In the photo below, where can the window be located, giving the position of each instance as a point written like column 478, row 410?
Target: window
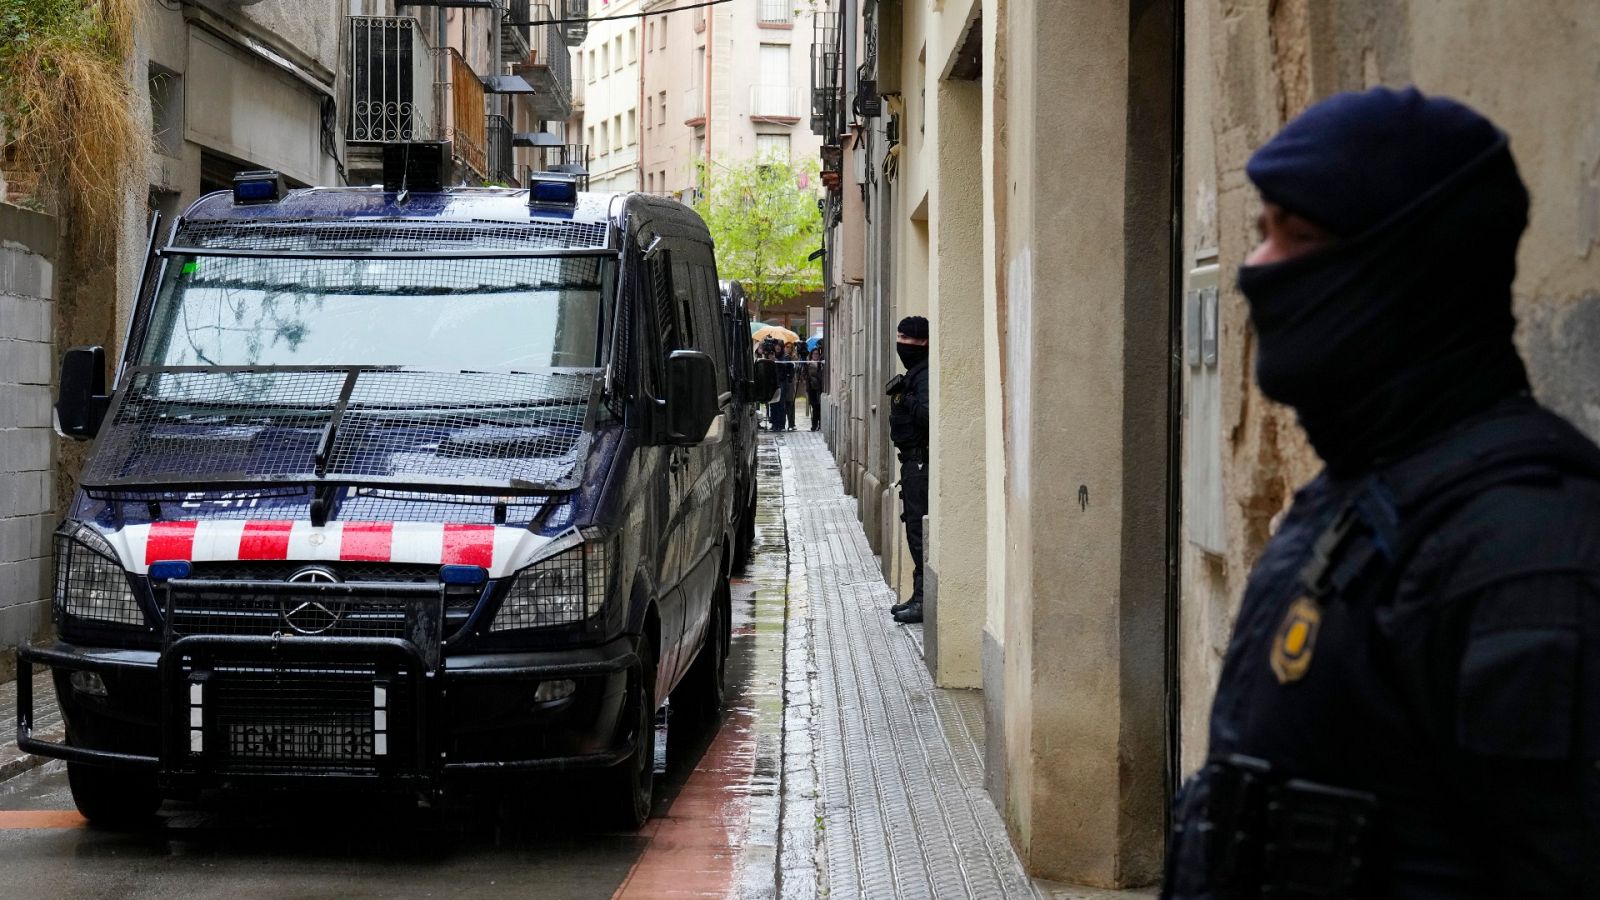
column 650, row 37
column 592, row 67
column 649, row 113
column 618, row 56
column 662, row 180
column 591, row 136
column 663, row 32
column 605, row 59
column 633, row 127
column 616, row 131
column 633, row 45
column 776, row 12
column 772, row 96
column 650, row 182
column 605, row 138
column 772, row 146
column 663, row 107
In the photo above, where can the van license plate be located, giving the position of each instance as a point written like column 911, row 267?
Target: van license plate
column 299, row 740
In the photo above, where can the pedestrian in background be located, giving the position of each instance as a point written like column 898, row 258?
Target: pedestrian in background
column 777, row 409
column 814, row 386
column 1410, row 704
column 788, row 383
column 908, row 428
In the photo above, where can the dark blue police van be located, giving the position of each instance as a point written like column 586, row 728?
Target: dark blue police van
column 396, row 487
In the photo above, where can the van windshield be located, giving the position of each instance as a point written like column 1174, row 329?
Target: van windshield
column 514, row 314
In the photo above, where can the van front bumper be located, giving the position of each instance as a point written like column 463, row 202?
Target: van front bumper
column 223, row 710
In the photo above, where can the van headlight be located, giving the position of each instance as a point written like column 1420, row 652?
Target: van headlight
column 90, row 581
column 567, row 586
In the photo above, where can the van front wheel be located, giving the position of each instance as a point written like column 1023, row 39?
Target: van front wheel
column 629, row 786
column 115, row 798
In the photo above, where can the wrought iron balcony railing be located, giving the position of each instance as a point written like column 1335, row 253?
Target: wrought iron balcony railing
column 777, row 102
column 391, row 69
column 827, row 76
column 549, row 67
column 497, row 131
column 565, row 159
column 464, row 124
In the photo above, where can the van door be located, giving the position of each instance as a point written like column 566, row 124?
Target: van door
column 695, row 284
column 665, row 475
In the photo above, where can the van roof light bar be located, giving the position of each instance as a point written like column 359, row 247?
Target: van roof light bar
column 550, row 190
column 257, row 186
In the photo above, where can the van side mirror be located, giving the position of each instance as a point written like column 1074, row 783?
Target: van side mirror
column 692, row 399
column 82, row 400
column 765, row 383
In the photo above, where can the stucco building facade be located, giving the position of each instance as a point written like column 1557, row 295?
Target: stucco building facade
column 1058, row 185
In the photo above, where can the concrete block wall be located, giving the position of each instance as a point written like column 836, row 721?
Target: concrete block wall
column 27, row 355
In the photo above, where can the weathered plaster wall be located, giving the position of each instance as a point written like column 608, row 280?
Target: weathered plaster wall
column 1252, row 64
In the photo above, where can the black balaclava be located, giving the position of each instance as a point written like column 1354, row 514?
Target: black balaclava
column 1403, row 326
column 911, row 354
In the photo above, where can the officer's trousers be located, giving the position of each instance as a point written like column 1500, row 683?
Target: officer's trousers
column 913, row 506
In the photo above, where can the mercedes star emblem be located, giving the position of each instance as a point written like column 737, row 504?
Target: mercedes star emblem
column 311, row 616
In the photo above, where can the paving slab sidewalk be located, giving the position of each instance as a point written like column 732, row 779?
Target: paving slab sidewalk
column 883, row 772
column 47, row 723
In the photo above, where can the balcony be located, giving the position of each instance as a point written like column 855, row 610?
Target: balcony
column 565, row 159
column 776, row 13
column 497, row 132
column 548, row 67
column 777, row 103
column 464, row 124
column 391, row 81
column 515, row 41
column 576, row 28
column 694, row 106
column 827, row 77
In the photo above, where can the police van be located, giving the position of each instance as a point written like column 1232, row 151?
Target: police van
column 394, row 487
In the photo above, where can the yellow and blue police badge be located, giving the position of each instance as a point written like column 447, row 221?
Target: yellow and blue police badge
column 1295, row 640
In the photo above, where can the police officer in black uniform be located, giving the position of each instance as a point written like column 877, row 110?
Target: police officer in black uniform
column 908, row 428
column 1410, row 704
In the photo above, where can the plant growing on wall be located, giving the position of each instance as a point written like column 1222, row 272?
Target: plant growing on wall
column 763, row 217
column 66, row 110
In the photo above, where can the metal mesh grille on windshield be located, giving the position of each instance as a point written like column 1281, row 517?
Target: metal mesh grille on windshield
column 390, row 236
column 260, row 425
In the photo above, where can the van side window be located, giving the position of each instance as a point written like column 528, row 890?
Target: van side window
column 655, row 346
column 709, row 308
column 684, row 287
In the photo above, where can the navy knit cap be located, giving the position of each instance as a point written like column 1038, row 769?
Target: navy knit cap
column 1353, row 160
column 914, row 327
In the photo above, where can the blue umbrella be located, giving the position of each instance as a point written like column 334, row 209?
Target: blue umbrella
column 812, row 342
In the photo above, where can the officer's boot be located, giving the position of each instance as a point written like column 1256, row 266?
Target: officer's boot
column 911, row 615
column 899, row 608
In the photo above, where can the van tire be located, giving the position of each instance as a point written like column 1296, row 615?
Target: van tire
column 629, row 786
column 699, row 698
column 744, row 542
column 113, row 798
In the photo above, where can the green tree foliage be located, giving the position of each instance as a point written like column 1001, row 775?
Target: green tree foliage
column 763, row 216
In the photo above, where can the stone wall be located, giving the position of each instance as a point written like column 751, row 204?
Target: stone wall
column 27, row 501
column 1252, row 65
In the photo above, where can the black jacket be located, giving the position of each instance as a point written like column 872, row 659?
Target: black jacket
column 1455, row 673
column 908, row 409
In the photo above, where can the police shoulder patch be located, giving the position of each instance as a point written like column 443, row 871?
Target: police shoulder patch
column 1295, row 640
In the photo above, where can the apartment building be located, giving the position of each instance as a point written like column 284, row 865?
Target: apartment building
column 607, row 85
column 669, row 91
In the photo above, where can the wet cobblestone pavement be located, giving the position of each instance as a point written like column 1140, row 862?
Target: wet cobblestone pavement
column 883, row 773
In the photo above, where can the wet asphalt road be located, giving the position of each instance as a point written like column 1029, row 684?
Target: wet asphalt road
column 537, row 843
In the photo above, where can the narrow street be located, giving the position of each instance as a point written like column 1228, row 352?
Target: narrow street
column 837, row 770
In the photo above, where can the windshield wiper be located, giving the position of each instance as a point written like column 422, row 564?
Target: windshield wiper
column 321, row 504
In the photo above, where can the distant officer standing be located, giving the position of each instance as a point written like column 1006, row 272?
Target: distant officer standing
column 1410, row 704
column 908, row 428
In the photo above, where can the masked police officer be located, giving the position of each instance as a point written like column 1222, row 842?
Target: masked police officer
column 908, row 428
column 1410, row 704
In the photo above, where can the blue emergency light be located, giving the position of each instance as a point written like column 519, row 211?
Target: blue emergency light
column 549, row 189
column 470, row 576
column 169, row 569
column 262, row 186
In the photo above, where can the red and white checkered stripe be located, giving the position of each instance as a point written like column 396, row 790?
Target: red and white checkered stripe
column 500, row 549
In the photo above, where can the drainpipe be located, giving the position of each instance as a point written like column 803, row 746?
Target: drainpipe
column 711, row 44
column 644, row 51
